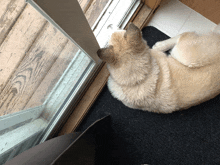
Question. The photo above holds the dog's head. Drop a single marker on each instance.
(123, 44)
(126, 56)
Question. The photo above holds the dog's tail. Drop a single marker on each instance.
(217, 28)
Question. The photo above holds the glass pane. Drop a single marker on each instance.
(35, 55)
(39, 68)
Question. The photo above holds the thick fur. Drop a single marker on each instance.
(148, 79)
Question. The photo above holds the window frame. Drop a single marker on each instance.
(35, 116)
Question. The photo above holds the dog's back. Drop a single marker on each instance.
(198, 79)
(195, 50)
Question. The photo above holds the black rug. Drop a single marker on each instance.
(188, 137)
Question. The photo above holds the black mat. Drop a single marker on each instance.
(188, 137)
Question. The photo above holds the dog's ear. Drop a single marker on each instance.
(107, 54)
(133, 34)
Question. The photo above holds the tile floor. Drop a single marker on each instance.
(173, 17)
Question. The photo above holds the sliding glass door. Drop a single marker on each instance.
(49, 57)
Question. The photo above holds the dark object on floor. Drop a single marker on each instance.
(188, 137)
(71, 149)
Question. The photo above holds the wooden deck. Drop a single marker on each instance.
(33, 53)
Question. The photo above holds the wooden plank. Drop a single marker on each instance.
(15, 95)
(53, 76)
(86, 102)
(94, 10)
(58, 68)
(18, 41)
(32, 70)
(9, 12)
(143, 15)
(85, 4)
(153, 4)
(208, 8)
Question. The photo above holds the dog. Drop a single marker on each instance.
(149, 80)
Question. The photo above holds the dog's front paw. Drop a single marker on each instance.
(160, 46)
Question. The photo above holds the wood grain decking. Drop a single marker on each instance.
(33, 54)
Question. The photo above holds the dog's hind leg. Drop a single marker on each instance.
(195, 50)
(166, 44)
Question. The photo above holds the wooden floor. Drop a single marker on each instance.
(33, 54)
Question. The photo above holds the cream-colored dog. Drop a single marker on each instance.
(148, 79)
